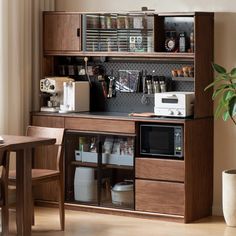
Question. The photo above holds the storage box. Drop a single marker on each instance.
(112, 159)
(122, 160)
(91, 157)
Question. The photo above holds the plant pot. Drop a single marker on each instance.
(229, 196)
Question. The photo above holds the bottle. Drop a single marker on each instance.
(144, 81)
(156, 86)
(182, 42)
(149, 84)
(191, 42)
(162, 84)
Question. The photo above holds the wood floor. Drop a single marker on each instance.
(93, 224)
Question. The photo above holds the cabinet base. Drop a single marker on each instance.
(112, 211)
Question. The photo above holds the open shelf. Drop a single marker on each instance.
(188, 79)
(95, 165)
(164, 56)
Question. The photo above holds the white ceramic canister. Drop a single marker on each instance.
(229, 196)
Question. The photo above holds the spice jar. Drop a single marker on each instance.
(185, 71)
(180, 73)
(191, 71)
(156, 86)
(174, 73)
(163, 86)
(149, 86)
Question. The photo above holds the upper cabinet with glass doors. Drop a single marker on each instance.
(118, 32)
(140, 34)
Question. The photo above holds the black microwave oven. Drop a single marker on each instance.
(161, 140)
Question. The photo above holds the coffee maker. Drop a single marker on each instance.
(76, 97)
(53, 88)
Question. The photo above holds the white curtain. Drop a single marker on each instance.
(20, 57)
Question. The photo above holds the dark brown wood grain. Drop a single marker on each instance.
(198, 168)
(48, 121)
(159, 169)
(159, 196)
(204, 46)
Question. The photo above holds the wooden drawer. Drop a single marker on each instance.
(100, 125)
(160, 197)
(48, 121)
(156, 169)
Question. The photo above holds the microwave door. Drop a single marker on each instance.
(161, 141)
(157, 141)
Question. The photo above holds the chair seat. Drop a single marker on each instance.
(37, 175)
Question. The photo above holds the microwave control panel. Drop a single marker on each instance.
(178, 142)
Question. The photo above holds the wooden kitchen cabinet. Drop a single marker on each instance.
(178, 190)
(169, 188)
(61, 32)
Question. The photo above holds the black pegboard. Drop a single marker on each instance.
(130, 102)
(137, 102)
(126, 102)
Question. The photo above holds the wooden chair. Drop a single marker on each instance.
(4, 163)
(40, 176)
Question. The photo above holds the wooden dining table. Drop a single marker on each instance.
(23, 146)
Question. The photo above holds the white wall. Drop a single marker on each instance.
(158, 5)
(225, 49)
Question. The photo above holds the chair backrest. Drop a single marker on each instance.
(4, 163)
(46, 132)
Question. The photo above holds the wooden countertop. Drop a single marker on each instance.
(115, 116)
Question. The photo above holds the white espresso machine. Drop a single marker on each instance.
(53, 86)
(76, 97)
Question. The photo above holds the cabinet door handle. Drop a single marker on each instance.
(78, 32)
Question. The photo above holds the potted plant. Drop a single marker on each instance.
(224, 92)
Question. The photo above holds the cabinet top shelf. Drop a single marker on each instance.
(133, 13)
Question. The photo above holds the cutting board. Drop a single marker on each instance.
(143, 114)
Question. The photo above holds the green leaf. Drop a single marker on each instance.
(232, 106)
(220, 89)
(233, 72)
(217, 92)
(218, 68)
(225, 116)
(219, 109)
(216, 81)
(228, 95)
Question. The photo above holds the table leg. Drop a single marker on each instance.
(23, 191)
